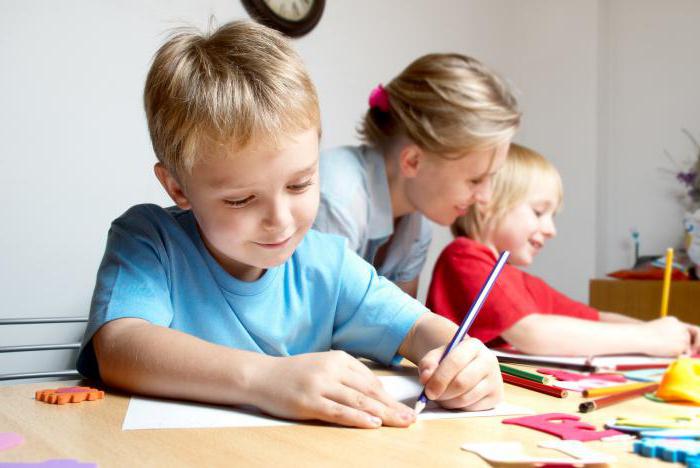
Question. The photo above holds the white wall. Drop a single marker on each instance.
(548, 50)
(75, 151)
(649, 92)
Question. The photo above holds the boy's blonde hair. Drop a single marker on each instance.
(447, 104)
(523, 170)
(240, 83)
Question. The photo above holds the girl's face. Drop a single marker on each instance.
(443, 189)
(524, 229)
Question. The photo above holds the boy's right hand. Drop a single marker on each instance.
(668, 337)
(329, 386)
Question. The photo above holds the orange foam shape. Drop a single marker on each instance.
(61, 396)
(681, 382)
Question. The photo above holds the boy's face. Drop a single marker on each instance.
(253, 206)
(524, 229)
(444, 189)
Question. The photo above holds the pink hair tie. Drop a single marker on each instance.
(379, 99)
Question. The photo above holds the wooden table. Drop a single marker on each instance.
(91, 432)
(642, 298)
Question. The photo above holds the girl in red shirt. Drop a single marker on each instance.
(522, 310)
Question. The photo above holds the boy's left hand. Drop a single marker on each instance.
(468, 378)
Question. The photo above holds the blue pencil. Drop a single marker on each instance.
(468, 320)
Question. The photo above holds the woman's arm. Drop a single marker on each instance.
(409, 287)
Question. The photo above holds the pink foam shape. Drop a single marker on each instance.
(10, 439)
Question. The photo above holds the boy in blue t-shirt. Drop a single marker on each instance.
(229, 298)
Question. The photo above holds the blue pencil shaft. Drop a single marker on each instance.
(473, 311)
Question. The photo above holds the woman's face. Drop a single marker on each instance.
(443, 189)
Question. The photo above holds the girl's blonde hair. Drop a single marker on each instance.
(523, 170)
(240, 83)
(445, 103)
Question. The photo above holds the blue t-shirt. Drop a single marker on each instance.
(356, 204)
(157, 268)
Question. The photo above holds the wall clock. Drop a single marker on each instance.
(292, 17)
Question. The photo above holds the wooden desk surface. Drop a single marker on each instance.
(642, 298)
(91, 432)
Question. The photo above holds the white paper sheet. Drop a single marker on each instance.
(152, 413)
(603, 362)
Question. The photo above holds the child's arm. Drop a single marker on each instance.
(468, 377)
(562, 335)
(333, 386)
(614, 317)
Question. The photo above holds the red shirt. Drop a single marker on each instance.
(462, 269)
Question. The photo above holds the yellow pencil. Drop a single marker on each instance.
(667, 282)
(595, 392)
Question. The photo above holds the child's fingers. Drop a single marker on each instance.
(694, 336)
(369, 395)
(430, 362)
(484, 395)
(373, 406)
(451, 366)
(694, 339)
(367, 382)
(333, 412)
(362, 379)
(467, 379)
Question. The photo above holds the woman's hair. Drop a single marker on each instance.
(445, 103)
(523, 170)
(240, 83)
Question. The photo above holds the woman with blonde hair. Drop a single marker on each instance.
(433, 137)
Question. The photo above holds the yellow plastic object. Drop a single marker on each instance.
(681, 382)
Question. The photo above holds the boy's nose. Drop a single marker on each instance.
(278, 215)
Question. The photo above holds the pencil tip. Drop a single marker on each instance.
(420, 406)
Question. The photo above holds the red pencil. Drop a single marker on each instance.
(629, 367)
(592, 405)
(536, 386)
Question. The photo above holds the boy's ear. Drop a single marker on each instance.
(410, 159)
(172, 186)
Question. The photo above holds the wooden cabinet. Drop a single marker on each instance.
(642, 298)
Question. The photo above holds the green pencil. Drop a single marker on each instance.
(535, 377)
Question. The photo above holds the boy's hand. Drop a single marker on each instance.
(468, 378)
(669, 337)
(330, 386)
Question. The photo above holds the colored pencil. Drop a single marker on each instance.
(535, 377)
(468, 320)
(545, 363)
(667, 282)
(596, 392)
(535, 386)
(588, 406)
(631, 367)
